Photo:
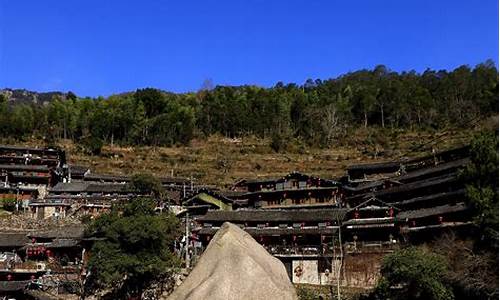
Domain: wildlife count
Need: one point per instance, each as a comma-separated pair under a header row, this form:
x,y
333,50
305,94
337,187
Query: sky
x,y
98,48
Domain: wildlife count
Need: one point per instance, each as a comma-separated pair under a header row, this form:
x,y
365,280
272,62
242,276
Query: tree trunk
x,y
382,115
366,119
64,129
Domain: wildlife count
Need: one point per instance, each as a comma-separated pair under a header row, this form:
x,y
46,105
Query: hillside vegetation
x,y
220,161
318,113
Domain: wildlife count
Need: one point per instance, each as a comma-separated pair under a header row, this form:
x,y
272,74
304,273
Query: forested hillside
x,y
318,112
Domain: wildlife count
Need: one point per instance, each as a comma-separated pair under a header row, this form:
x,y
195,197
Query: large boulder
x,y
235,266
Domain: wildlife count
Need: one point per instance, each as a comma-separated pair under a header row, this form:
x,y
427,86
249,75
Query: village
x,y
324,230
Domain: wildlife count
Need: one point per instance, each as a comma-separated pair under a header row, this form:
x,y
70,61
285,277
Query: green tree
x,y
134,251
91,145
147,184
482,190
413,274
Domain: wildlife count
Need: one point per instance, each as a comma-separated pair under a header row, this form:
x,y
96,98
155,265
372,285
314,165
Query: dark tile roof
x,y
108,188
67,232
90,187
365,186
431,200
5,148
125,178
63,243
383,167
446,155
68,187
262,215
433,211
106,177
78,170
375,203
428,183
275,231
24,168
290,175
13,239
441,169
413,164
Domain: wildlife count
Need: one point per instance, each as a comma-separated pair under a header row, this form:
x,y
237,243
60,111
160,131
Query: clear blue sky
x,y
103,47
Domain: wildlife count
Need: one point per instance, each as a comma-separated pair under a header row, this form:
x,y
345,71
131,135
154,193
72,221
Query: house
x,y
27,257
390,169
372,221
205,200
293,191
302,239
81,188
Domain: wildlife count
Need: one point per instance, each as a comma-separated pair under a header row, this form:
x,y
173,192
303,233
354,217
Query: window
x,y
324,264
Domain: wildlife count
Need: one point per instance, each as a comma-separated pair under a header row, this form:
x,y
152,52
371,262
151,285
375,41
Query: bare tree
x,y
331,123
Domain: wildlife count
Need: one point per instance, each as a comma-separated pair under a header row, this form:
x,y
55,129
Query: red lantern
x,y
32,277
391,212
33,240
440,219
10,277
48,253
356,214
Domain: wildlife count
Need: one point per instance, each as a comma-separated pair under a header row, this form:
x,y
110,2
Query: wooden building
x,y
293,191
301,239
28,259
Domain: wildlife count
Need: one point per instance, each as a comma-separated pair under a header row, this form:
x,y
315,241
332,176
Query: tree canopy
x,y
147,184
134,248
412,273
482,190
318,112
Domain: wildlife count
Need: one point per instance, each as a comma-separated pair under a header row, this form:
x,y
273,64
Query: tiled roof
x,y
67,232
433,211
261,215
13,239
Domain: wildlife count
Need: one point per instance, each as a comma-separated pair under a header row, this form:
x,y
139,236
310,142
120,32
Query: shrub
x,y
412,273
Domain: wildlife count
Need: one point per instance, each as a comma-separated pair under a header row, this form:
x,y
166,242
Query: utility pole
x,y
17,199
337,265
340,263
187,240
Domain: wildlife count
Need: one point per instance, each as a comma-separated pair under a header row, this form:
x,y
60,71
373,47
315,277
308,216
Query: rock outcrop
x,y
234,266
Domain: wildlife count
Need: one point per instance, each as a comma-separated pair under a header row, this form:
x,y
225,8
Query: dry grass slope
x,y
220,161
